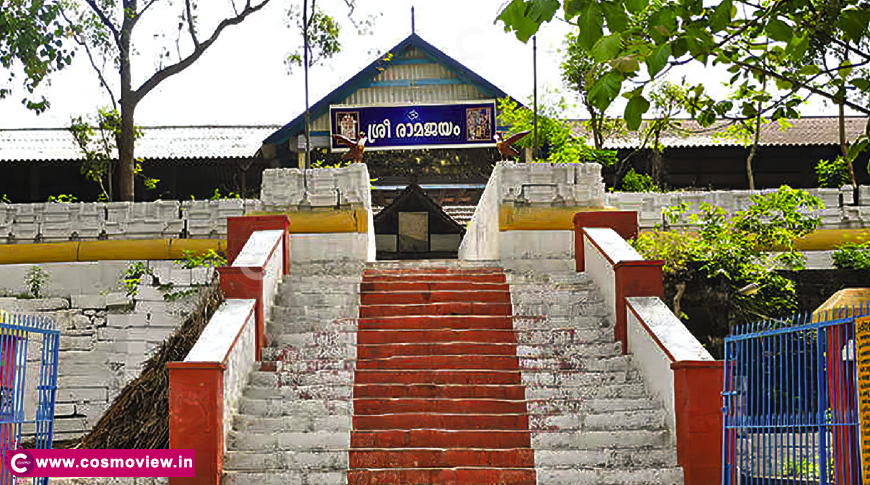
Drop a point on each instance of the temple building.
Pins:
(427, 119)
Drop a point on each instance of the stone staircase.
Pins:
(437, 394)
(591, 419)
(436, 383)
(294, 421)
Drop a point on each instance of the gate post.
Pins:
(698, 410)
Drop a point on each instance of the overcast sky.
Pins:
(242, 78)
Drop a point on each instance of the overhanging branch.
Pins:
(183, 64)
(106, 21)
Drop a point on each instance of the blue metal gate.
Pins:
(790, 401)
(28, 384)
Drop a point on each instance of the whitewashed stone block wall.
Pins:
(106, 336)
(839, 212)
(285, 187)
(541, 184)
(57, 222)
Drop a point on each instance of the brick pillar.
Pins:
(623, 222)
(239, 229)
(698, 407)
(247, 283)
(197, 419)
(634, 278)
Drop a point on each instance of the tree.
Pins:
(557, 140)
(733, 250)
(31, 39)
(98, 145)
(579, 72)
(770, 38)
(105, 30)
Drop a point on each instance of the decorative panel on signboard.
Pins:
(459, 125)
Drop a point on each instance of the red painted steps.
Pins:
(437, 393)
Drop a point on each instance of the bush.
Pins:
(852, 256)
(638, 182)
(732, 250)
(833, 175)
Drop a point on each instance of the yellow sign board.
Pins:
(862, 346)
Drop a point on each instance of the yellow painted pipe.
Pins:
(827, 239)
(531, 218)
(823, 239)
(324, 220)
(39, 253)
(121, 249)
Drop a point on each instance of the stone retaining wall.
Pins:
(106, 336)
(162, 219)
(839, 212)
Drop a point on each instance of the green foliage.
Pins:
(35, 281)
(556, 138)
(206, 259)
(779, 52)
(62, 199)
(852, 256)
(323, 32)
(32, 42)
(217, 195)
(132, 276)
(833, 174)
(177, 295)
(638, 182)
(734, 249)
(97, 140)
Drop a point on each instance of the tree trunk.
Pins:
(126, 155)
(126, 140)
(754, 149)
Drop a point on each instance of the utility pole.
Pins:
(305, 60)
(535, 90)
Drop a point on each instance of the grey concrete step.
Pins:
(285, 477)
(561, 309)
(621, 420)
(312, 378)
(284, 323)
(255, 461)
(326, 350)
(611, 476)
(293, 299)
(327, 268)
(278, 406)
(630, 390)
(327, 339)
(565, 379)
(572, 351)
(301, 393)
(303, 423)
(282, 313)
(559, 337)
(649, 419)
(605, 458)
(524, 322)
(573, 365)
(289, 441)
(583, 440)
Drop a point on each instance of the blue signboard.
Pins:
(458, 125)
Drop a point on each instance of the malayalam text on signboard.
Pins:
(462, 125)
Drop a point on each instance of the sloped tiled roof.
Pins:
(163, 142)
(820, 130)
